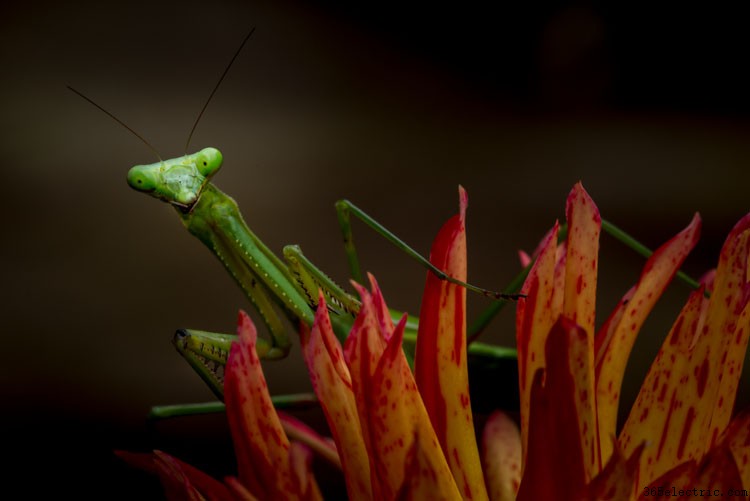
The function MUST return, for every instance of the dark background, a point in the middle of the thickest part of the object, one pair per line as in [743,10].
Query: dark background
[388,105]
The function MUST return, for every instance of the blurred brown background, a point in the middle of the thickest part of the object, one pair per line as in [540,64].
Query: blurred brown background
[388,105]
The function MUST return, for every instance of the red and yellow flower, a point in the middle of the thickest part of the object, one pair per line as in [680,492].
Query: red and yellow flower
[410,435]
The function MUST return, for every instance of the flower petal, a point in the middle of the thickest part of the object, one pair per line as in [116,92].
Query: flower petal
[562,420]
[440,364]
[536,313]
[737,437]
[685,402]
[300,459]
[615,340]
[581,265]
[501,457]
[179,479]
[261,446]
[299,431]
[397,415]
[617,480]
[659,414]
[333,385]
[422,481]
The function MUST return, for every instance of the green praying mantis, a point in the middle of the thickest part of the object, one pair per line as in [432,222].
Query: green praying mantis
[276,287]
[279,287]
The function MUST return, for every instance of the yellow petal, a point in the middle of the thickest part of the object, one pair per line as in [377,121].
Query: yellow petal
[581,264]
[333,386]
[397,416]
[615,340]
[685,402]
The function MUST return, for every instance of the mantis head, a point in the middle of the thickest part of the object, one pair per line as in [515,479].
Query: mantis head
[177,181]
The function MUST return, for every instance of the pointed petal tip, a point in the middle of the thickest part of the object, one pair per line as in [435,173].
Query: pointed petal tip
[463,202]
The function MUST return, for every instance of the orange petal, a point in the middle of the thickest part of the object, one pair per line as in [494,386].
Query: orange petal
[261,446]
[440,365]
[615,340]
[685,402]
[396,414]
[501,457]
[535,315]
[584,226]
[333,386]
[562,421]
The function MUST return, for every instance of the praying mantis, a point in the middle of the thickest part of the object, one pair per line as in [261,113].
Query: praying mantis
[279,287]
[276,287]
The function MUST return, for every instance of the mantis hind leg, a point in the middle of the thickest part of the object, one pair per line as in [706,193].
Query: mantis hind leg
[345,209]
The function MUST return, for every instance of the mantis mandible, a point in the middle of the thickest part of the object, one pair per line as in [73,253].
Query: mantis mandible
[271,284]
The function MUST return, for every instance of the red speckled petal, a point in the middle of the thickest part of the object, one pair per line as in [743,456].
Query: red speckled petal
[686,400]
[665,487]
[440,364]
[333,386]
[535,315]
[581,265]
[562,421]
[239,491]
[615,340]
[299,431]
[397,413]
[660,410]
[422,481]
[261,446]
[179,479]
[737,438]
[501,457]
[728,324]
[300,459]
[617,480]
[717,474]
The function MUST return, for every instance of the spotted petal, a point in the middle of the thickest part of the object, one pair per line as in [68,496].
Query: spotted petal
[440,365]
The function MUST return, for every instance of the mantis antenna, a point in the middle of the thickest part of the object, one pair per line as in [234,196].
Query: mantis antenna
[117,120]
[216,87]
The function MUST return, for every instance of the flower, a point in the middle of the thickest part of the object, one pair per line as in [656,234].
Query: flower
[400,434]
[678,432]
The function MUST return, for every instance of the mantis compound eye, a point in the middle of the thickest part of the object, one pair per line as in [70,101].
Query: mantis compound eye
[140,181]
[208,161]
